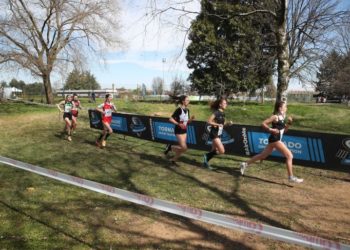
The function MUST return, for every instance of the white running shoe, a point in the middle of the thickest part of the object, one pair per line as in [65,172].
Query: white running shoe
[242,167]
[295,179]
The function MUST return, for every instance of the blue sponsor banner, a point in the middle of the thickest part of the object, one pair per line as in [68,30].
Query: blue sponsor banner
[119,123]
[303,148]
[165,131]
[322,150]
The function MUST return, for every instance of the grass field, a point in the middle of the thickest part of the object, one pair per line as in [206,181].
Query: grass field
[39,213]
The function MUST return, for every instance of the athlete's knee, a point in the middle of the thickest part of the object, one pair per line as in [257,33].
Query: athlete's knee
[184,148]
[289,156]
[221,151]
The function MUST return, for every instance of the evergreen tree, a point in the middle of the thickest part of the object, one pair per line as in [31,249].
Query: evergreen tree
[333,75]
[17,84]
[229,54]
[81,80]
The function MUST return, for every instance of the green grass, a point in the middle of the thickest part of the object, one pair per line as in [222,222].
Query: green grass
[39,213]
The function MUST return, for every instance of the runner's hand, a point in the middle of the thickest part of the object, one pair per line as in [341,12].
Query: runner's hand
[182,126]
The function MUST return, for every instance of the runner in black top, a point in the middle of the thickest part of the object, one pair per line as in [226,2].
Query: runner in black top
[279,126]
[217,122]
[181,119]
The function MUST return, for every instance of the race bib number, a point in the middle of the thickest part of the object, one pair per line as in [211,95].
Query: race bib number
[108,112]
[67,108]
[281,133]
[220,130]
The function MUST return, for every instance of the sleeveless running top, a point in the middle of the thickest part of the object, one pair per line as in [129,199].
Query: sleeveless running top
[280,124]
[181,116]
[107,107]
[68,106]
[219,117]
[75,107]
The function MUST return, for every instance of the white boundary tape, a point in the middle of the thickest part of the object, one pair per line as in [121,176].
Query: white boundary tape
[183,210]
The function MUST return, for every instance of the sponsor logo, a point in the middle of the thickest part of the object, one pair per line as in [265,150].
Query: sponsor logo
[342,154]
[145,199]
[303,148]
[166,131]
[192,211]
[95,120]
[52,172]
[327,244]
[247,224]
[119,123]
[107,188]
[224,135]
[137,126]
[346,143]
[77,179]
[245,141]
[151,125]
[30,166]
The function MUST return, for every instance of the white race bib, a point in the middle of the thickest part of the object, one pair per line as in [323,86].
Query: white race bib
[108,112]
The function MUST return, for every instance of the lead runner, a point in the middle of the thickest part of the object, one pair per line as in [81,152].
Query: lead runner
[279,127]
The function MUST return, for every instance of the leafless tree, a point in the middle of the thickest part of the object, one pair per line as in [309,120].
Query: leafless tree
[342,41]
[44,36]
[302,30]
[177,86]
[158,85]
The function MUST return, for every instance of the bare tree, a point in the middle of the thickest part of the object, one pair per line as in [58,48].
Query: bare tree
[157,85]
[302,30]
[177,86]
[46,35]
[342,41]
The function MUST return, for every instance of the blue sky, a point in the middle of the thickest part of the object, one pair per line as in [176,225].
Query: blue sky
[150,51]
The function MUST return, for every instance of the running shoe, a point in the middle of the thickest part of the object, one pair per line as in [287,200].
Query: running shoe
[295,179]
[242,167]
[69,138]
[173,163]
[103,143]
[98,144]
[167,149]
[206,163]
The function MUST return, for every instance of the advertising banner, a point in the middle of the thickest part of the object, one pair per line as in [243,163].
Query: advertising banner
[322,150]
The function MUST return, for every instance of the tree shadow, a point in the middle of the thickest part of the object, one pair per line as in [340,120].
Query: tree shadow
[20,212]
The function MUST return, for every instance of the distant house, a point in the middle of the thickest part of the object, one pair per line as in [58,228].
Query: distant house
[301,96]
[10,92]
[99,93]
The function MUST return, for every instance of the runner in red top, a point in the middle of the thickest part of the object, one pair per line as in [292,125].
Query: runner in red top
[106,110]
[77,105]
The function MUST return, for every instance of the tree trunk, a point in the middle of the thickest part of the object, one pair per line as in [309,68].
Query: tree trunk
[48,89]
[282,52]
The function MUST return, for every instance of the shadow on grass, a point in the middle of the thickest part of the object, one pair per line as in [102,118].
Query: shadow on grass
[20,212]
[124,180]
[137,238]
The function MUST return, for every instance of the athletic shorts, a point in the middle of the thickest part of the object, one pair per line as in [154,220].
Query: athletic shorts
[180,131]
[274,138]
[107,119]
[67,115]
[214,133]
